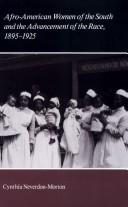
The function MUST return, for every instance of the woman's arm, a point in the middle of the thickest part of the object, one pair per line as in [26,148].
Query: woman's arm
[118,131]
[85,125]
[37,130]
[123,125]
[32,133]
[40,128]
[58,119]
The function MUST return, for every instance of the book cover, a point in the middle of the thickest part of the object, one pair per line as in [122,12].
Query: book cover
[63,103]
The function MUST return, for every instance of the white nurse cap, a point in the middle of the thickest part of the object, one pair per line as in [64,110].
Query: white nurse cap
[25,93]
[91,93]
[55,100]
[122,92]
[39,97]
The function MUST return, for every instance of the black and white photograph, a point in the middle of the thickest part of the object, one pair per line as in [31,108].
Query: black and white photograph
[63,103]
[63,111]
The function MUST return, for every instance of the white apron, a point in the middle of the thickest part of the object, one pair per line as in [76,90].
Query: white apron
[8,155]
[16,153]
[110,152]
[45,155]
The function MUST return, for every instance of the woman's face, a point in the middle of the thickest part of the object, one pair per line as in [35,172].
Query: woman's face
[39,105]
[24,101]
[87,100]
[51,105]
[97,102]
[117,101]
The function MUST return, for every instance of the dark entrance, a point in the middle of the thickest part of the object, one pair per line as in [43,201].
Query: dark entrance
[54,80]
[105,83]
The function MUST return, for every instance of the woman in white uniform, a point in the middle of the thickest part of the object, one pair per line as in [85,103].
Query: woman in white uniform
[19,151]
[10,131]
[39,158]
[98,108]
[110,151]
[86,143]
[46,153]
[53,121]
[26,139]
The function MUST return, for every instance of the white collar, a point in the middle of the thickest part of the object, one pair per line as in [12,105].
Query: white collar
[120,109]
[39,112]
[23,108]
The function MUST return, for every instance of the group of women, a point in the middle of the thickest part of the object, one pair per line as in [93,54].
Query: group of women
[29,139]
[102,139]
[95,136]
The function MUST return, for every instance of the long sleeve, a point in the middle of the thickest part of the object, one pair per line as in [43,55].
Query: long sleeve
[120,128]
[32,130]
[86,122]
[85,125]
[37,130]
[123,125]
[58,118]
